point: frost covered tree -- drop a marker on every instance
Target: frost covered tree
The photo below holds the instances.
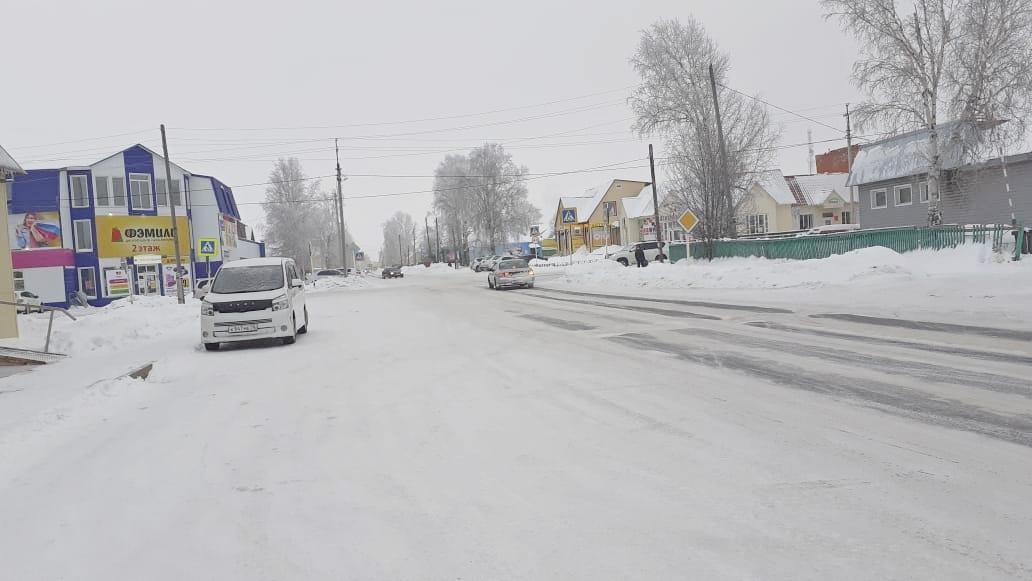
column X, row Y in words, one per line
column 397, row 239
column 295, row 213
column 484, row 194
column 675, row 102
column 922, row 60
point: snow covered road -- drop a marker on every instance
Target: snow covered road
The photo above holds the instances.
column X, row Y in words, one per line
column 429, row 428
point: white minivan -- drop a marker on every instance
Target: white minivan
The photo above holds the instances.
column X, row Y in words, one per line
column 254, row 298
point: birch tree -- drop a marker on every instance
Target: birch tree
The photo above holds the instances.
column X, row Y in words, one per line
column 675, row 101
column 965, row 59
column 397, row 239
column 452, row 201
column 294, row 212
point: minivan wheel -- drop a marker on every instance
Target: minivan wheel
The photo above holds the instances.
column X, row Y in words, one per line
column 212, row 346
column 293, row 337
column 623, row 261
column 304, row 329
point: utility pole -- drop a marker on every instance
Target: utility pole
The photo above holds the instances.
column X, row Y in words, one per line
column 723, row 149
column 401, row 259
column 426, row 228
column 809, row 150
column 437, row 232
column 655, row 203
column 175, row 225
column 413, row 244
column 340, row 211
column 849, row 163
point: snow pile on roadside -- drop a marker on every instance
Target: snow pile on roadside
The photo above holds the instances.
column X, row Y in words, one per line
column 435, row 269
column 109, row 328
column 338, row 282
column 877, row 264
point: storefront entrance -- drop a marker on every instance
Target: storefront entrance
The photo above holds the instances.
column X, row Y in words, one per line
column 147, row 279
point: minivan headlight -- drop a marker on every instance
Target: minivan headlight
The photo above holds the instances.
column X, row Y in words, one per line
column 279, row 303
column 207, row 309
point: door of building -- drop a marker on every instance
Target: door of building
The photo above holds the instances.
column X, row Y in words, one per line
column 147, row 279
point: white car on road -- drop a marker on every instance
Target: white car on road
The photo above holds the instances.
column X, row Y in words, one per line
column 255, row 298
column 511, row 272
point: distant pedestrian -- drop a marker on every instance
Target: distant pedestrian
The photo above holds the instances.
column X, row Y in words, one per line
column 639, row 256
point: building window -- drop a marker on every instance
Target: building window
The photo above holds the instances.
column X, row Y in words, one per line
column 161, row 192
column 805, row 221
column 177, row 196
column 904, row 195
column 922, row 192
column 83, row 236
column 88, row 281
column 101, row 192
column 118, row 191
column 140, row 190
column 847, row 217
column 80, row 191
column 609, row 209
column 879, row 199
column 756, row 223
column 19, row 281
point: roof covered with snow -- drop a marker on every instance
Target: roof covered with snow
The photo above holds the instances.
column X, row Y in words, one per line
column 816, row 189
column 7, row 163
column 639, row 206
column 773, row 182
column 906, row 155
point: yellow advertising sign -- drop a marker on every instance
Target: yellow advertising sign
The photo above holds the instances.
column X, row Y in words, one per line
column 124, row 236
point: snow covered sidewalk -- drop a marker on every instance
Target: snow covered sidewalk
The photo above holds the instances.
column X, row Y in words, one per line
column 965, row 284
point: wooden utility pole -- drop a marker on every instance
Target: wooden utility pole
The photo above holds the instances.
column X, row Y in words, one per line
column 725, row 166
column 655, row 204
column 426, row 228
column 175, row 226
column 437, row 232
column 340, row 211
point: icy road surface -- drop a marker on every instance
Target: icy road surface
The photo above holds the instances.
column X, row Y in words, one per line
column 429, row 428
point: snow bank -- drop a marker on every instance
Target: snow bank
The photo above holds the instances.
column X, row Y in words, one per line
column 107, row 328
column 339, row 282
column 876, row 264
column 435, row 269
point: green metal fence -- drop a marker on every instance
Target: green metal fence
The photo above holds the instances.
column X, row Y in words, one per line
column 823, row 246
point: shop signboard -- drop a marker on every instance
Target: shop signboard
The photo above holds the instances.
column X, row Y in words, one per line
column 125, row 236
column 117, row 282
column 34, row 230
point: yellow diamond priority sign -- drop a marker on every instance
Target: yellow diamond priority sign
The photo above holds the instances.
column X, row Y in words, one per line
column 688, row 220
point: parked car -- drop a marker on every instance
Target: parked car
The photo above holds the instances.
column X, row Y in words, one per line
column 256, row 298
column 625, row 255
column 328, row 273
column 475, row 264
column 511, row 272
column 202, row 287
column 392, row 272
column 487, row 263
column 27, row 299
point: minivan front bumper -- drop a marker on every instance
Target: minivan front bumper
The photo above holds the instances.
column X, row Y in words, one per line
column 229, row 327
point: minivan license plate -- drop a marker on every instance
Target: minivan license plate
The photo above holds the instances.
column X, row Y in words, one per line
column 243, row 328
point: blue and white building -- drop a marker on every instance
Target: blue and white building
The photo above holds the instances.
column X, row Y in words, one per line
column 92, row 231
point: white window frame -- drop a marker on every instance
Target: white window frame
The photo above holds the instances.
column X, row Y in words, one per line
column 923, row 199
column 125, row 193
column 895, row 194
column 107, row 188
column 801, row 216
column 875, row 197
column 78, row 239
column 78, row 279
column 752, row 224
column 159, row 185
column 173, row 193
column 19, row 280
column 846, row 214
column 139, row 177
column 85, row 186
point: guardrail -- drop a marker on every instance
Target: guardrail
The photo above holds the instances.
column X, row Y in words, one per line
column 42, row 308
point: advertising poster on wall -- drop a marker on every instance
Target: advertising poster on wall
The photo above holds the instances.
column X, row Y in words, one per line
column 125, row 236
column 170, row 277
column 117, row 282
column 33, row 230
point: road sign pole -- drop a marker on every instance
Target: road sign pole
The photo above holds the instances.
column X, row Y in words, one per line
column 207, row 267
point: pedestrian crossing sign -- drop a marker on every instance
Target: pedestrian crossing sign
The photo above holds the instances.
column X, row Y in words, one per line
column 569, row 216
column 207, row 247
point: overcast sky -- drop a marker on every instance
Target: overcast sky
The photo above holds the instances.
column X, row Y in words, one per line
column 241, row 83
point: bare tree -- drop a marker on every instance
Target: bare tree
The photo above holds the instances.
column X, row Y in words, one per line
column 969, row 59
column 675, row 101
column 294, row 216
column 397, row 239
column 452, row 201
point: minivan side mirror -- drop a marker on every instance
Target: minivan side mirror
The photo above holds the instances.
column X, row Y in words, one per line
column 296, row 283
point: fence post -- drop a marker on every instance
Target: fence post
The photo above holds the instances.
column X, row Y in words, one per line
column 1019, row 241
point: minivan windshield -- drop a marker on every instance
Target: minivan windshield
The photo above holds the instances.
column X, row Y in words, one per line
column 248, row 279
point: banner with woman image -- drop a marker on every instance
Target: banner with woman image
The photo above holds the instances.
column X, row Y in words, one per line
column 33, row 230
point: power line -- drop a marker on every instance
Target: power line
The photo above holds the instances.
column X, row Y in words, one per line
column 769, row 104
